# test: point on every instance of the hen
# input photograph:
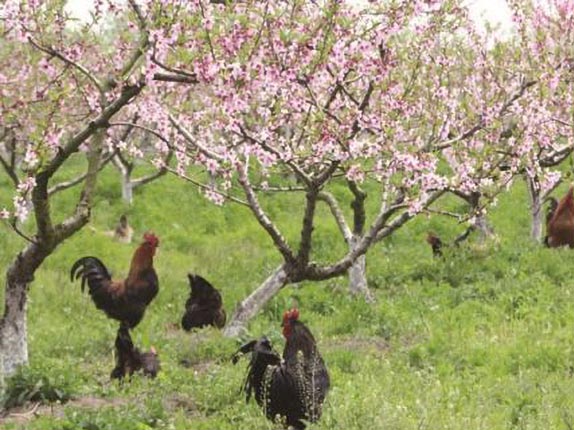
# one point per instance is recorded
(294, 388)
(123, 300)
(129, 359)
(123, 232)
(204, 306)
(560, 226)
(438, 245)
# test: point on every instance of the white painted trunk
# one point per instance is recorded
(13, 330)
(249, 307)
(481, 224)
(127, 189)
(358, 278)
(536, 210)
(537, 221)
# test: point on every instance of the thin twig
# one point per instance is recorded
(19, 232)
(206, 187)
(53, 52)
(73, 182)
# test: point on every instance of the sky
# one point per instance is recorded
(494, 11)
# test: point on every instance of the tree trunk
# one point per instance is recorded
(537, 220)
(13, 328)
(249, 307)
(358, 277)
(536, 200)
(127, 188)
(480, 221)
(481, 224)
(358, 270)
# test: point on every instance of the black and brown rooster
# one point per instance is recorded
(130, 359)
(123, 300)
(204, 306)
(294, 388)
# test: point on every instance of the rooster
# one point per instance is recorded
(129, 359)
(560, 226)
(204, 306)
(123, 300)
(293, 388)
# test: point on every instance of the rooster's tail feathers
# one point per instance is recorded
(89, 269)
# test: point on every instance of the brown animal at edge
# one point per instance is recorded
(560, 227)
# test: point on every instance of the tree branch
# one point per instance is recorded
(168, 77)
(358, 205)
(556, 157)
(153, 176)
(187, 135)
(262, 217)
(377, 231)
(101, 121)
(207, 188)
(73, 182)
(14, 225)
(296, 168)
(307, 228)
(54, 53)
(10, 171)
(515, 96)
(337, 214)
(143, 43)
(81, 215)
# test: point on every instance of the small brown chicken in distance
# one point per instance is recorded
(560, 226)
(123, 300)
(204, 306)
(129, 359)
(123, 232)
(294, 388)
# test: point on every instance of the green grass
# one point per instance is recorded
(482, 339)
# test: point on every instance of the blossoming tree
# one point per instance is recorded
(543, 126)
(405, 94)
(60, 86)
(402, 97)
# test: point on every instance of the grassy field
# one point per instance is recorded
(482, 339)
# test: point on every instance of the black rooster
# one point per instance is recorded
(204, 306)
(129, 359)
(294, 388)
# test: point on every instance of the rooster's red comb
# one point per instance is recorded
(291, 315)
(151, 238)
